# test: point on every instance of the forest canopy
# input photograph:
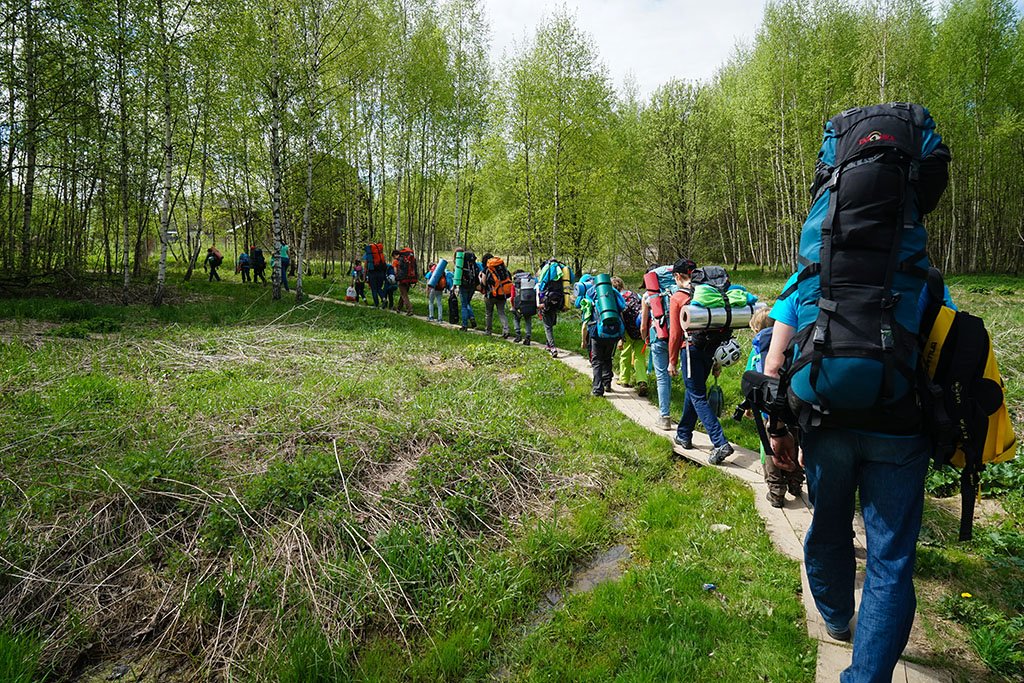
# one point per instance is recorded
(136, 132)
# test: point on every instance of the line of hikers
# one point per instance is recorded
(645, 326)
(251, 264)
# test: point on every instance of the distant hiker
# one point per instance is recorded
(467, 274)
(404, 263)
(390, 286)
(553, 281)
(524, 305)
(212, 262)
(497, 286)
(259, 265)
(285, 262)
(778, 480)
(376, 272)
(660, 285)
(359, 280)
(243, 266)
(437, 285)
(697, 365)
(632, 362)
(603, 330)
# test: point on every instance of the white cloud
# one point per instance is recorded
(654, 40)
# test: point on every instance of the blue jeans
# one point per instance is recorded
(466, 296)
(659, 359)
(695, 403)
(376, 280)
(889, 473)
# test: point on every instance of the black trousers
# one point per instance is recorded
(601, 353)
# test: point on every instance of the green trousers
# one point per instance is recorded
(632, 362)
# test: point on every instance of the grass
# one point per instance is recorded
(236, 487)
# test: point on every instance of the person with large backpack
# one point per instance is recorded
(259, 265)
(603, 328)
(244, 265)
(285, 263)
(437, 285)
(213, 261)
(404, 263)
(632, 361)
(849, 320)
(553, 281)
(698, 363)
(524, 305)
(359, 280)
(496, 283)
(376, 272)
(660, 285)
(467, 279)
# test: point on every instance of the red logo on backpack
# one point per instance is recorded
(875, 136)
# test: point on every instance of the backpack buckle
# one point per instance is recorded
(887, 339)
(820, 332)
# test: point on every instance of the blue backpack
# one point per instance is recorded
(862, 266)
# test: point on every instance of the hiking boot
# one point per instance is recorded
(686, 443)
(665, 422)
(796, 489)
(719, 455)
(526, 342)
(518, 339)
(844, 634)
(641, 388)
(776, 499)
(596, 392)
(608, 387)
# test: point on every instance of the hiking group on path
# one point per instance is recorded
(860, 373)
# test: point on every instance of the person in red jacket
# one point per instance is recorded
(404, 264)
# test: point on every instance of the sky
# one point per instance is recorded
(654, 40)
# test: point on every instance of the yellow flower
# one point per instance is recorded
(966, 595)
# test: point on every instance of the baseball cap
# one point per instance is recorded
(684, 266)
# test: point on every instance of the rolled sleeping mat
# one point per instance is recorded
(656, 304)
(460, 257)
(605, 299)
(700, 318)
(438, 273)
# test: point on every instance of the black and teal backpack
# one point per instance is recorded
(862, 266)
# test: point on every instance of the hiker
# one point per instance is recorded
(553, 280)
(390, 286)
(467, 274)
(259, 265)
(632, 361)
(435, 292)
(285, 262)
(243, 266)
(603, 307)
(404, 263)
(524, 305)
(654, 327)
(871, 445)
(359, 280)
(376, 272)
(698, 365)
(778, 480)
(496, 284)
(212, 262)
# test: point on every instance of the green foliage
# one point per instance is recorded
(19, 657)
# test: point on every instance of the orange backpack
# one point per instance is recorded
(499, 282)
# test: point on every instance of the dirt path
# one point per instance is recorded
(786, 526)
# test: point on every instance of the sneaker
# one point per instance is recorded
(472, 323)
(553, 351)
(719, 455)
(463, 328)
(641, 388)
(686, 443)
(628, 385)
(844, 634)
(526, 342)
(518, 338)
(776, 500)
(505, 335)
(665, 422)
(596, 392)
(608, 387)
